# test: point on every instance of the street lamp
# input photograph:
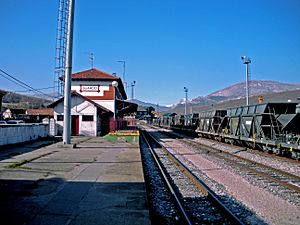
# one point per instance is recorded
(247, 60)
(124, 66)
(185, 108)
(132, 87)
(115, 85)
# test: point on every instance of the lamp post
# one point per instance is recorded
(132, 89)
(247, 60)
(185, 108)
(115, 85)
(124, 67)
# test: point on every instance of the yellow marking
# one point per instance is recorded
(254, 140)
(120, 133)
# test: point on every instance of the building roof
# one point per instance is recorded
(15, 110)
(126, 107)
(141, 108)
(74, 93)
(40, 112)
(94, 74)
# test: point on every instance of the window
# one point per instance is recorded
(60, 117)
(87, 118)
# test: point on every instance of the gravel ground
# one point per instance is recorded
(278, 163)
(162, 209)
(276, 189)
(200, 209)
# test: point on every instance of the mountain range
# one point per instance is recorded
(236, 91)
(159, 108)
(234, 95)
(231, 96)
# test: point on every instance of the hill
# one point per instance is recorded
(235, 95)
(257, 87)
(14, 100)
(236, 91)
(158, 108)
(269, 97)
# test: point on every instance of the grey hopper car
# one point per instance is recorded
(272, 127)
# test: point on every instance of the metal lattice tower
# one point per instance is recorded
(60, 51)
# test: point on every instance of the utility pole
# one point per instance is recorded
(68, 74)
(247, 60)
(91, 58)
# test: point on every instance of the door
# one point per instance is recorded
(75, 125)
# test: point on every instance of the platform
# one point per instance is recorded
(100, 181)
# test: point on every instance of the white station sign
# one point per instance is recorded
(94, 88)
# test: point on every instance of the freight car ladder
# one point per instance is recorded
(276, 128)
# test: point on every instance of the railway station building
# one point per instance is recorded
(98, 100)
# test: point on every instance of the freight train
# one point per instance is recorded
(271, 127)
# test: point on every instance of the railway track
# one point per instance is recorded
(278, 180)
(283, 178)
(196, 203)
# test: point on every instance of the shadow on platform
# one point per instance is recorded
(54, 201)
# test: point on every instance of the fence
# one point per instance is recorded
(129, 125)
(18, 133)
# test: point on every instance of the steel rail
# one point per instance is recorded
(173, 193)
(264, 174)
(201, 185)
(255, 170)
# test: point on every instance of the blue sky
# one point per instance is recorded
(167, 44)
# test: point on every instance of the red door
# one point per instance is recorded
(75, 125)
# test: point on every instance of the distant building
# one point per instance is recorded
(141, 112)
(10, 113)
(2, 93)
(37, 115)
(94, 103)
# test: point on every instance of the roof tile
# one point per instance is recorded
(93, 74)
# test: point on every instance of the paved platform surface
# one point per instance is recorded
(98, 182)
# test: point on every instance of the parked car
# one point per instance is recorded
(15, 122)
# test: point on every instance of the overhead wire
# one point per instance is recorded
(39, 89)
(21, 83)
